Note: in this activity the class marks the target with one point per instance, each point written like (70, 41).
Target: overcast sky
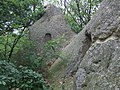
(55, 2)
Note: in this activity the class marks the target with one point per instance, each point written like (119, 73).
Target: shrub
(20, 77)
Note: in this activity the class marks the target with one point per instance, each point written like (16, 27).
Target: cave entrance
(48, 37)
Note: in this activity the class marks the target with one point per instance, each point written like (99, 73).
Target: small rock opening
(48, 37)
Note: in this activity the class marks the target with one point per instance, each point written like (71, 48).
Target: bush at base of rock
(20, 78)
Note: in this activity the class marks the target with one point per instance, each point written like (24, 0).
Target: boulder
(51, 26)
(99, 69)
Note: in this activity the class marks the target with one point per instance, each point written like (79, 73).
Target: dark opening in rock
(48, 37)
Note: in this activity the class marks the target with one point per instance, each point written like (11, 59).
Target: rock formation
(51, 26)
(94, 54)
(99, 69)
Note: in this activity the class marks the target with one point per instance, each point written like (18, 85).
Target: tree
(16, 16)
(79, 12)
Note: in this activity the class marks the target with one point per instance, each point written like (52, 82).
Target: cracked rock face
(99, 68)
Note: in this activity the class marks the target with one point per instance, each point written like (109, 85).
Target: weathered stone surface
(95, 52)
(80, 78)
(73, 54)
(99, 69)
(102, 66)
(93, 55)
(51, 26)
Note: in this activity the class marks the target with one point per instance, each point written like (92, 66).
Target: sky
(55, 2)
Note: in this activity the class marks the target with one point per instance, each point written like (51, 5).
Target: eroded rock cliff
(94, 54)
(100, 67)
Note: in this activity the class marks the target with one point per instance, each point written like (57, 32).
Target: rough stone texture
(99, 69)
(80, 78)
(73, 54)
(51, 26)
(94, 54)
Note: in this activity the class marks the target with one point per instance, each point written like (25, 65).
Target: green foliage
(79, 12)
(16, 17)
(7, 43)
(51, 48)
(21, 77)
(74, 25)
(18, 13)
(25, 54)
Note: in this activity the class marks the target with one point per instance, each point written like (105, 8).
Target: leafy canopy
(16, 17)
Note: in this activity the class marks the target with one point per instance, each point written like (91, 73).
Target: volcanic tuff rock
(51, 26)
(94, 54)
(100, 67)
